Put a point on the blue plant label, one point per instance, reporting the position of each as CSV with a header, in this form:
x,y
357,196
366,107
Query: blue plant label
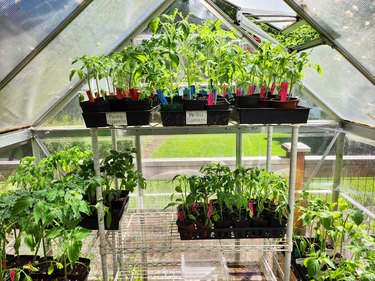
x,y
229,94
192,91
161,96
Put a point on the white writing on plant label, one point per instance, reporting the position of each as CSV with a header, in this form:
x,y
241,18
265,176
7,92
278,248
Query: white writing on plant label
x,y
116,119
197,117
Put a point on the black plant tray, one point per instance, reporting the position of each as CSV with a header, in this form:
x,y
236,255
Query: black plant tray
x,y
233,233
297,115
80,272
133,118
179,117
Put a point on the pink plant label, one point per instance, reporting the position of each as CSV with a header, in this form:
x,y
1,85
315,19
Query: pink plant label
x,y
251,90
283,91
238,92
263,92
273,88
209,212
210,100
180,215
251,208
225,90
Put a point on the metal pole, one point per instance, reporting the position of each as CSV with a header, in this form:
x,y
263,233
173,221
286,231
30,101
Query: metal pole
x,y
99,198
140,209
269,148
292,183
237,242
140,205
338,167
114,233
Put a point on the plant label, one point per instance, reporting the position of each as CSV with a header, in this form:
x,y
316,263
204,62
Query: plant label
x,y
210,100
229,94
116,119
273,88
251,90
225,90
161,96
263,92
283,91
196,117
238,92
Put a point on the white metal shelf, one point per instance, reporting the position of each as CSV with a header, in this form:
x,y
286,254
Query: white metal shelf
x,y
156,232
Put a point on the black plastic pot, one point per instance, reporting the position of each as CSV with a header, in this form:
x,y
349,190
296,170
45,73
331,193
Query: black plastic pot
x,y
222,229
138,105
80,272
95,120
99,105
116,105
218,117
186,229
138,118
194,104
173,117
218,106
248,101
117,208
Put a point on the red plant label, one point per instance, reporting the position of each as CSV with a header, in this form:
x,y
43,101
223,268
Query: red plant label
x,y
238,92
263,92
89,96
225,90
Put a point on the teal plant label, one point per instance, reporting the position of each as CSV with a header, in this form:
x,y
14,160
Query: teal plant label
x,y
196,117
116,119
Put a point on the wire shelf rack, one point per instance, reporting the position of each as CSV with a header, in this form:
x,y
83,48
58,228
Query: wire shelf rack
x,y
157,232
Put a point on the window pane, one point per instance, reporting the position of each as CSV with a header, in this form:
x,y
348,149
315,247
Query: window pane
x,y
24,24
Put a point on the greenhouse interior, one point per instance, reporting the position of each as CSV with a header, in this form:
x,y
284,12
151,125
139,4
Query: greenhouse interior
x,y
135,144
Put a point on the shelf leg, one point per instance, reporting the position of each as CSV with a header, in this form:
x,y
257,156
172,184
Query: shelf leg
x,y
99,198
269,148
237,242
292,187
338,167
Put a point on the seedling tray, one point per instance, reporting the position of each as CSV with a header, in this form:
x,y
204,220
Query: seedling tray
x,y
233,233
297,115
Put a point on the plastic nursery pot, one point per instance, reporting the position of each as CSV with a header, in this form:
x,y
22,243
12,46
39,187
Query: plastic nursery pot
x,y
138,105
194,104
99,105
289,103
186,229
204,231
248,101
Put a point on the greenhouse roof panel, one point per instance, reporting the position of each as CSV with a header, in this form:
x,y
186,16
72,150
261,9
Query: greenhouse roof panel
x,y
24,24
341,87
349,23
45,80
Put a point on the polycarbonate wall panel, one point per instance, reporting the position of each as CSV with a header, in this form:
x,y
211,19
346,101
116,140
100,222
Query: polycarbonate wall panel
x,y
24,24
341,87
97,30
351,23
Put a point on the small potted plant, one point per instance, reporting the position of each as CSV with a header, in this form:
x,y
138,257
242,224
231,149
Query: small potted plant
x,y
117,166
184,200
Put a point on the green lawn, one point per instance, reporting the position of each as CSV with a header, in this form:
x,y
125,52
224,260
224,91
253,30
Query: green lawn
x,y
223,145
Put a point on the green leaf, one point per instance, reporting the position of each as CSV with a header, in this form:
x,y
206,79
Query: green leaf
x,y
313,266
73,252
28,278
53,233
81,233
154,25
357,216
51,268
22,204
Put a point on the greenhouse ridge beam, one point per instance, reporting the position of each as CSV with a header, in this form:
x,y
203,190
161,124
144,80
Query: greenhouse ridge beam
x,y
44,43
336,45
67,97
